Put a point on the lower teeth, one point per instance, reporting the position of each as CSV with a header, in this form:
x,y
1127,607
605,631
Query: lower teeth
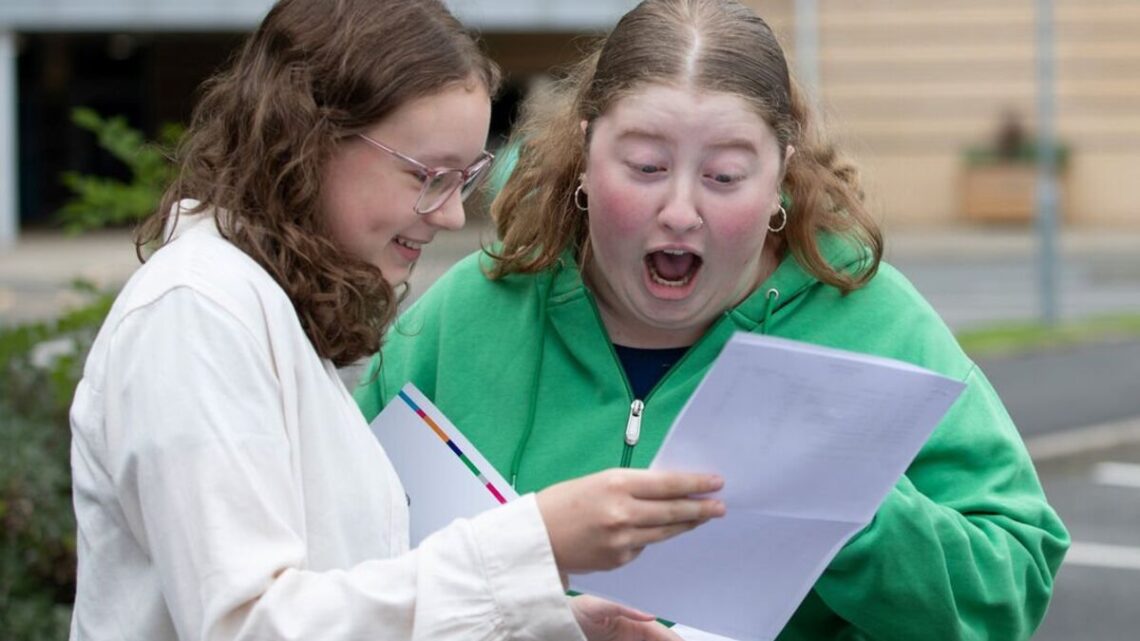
x,y
669,283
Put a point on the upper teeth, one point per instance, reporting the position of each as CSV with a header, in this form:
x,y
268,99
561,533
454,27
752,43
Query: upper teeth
x,y
407,243
674,252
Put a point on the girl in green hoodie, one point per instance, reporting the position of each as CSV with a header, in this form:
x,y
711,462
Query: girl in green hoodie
x,y
672,191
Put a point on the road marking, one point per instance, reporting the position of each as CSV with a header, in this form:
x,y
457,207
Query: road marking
x,y
1103,555
1083,439
1119,474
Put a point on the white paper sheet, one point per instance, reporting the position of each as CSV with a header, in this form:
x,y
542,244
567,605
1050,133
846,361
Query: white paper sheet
x,y
440,485
809,441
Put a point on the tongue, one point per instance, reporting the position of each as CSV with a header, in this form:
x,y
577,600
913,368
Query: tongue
x,y
672,266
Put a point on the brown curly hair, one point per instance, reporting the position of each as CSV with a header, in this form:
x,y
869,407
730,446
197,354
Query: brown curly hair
x,y
312,74
736,53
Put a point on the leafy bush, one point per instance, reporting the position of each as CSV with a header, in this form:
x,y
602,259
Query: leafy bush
x,y
100,201
40,365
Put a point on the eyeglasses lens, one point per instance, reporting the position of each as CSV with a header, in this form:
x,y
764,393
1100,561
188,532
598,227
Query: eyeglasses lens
x,y
438,190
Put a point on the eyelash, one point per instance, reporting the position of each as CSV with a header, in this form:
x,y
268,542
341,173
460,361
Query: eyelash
x,y
732,178
648,169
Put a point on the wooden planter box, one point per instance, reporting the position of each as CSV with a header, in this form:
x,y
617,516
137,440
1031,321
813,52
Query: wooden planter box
x,y
1002,192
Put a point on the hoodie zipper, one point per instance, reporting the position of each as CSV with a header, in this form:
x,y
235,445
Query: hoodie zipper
x,y
637,406
632,431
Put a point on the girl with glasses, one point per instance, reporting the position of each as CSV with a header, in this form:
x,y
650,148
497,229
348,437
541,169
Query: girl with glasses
x,y
226,486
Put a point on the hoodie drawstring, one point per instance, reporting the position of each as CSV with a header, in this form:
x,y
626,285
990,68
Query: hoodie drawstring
x,y
770,300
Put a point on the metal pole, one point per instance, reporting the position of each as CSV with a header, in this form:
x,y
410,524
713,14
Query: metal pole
x,y
1047,201
9,212
807,45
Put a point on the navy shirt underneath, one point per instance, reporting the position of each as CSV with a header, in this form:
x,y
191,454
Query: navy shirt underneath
x,y
644,367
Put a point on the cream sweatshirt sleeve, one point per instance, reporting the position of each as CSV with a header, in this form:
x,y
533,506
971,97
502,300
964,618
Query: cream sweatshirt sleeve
x,y
204,473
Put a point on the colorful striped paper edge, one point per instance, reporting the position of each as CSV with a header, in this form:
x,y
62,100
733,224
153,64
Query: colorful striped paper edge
x,y
454,447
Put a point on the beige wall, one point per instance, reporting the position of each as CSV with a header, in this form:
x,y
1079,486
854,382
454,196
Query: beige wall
x,y
906,85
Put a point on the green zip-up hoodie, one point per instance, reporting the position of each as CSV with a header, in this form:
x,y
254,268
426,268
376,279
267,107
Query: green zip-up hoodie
x,y
964,547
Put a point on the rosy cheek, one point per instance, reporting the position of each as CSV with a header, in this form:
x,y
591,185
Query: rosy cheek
x,y
616,208
741,234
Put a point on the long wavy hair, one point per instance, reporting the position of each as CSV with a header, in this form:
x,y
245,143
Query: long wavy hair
x,y
709,45
312,74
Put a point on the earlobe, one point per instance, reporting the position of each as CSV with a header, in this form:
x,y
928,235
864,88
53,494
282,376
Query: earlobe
x,y
788,153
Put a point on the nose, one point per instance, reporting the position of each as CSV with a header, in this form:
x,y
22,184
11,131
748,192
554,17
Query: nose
x,y
450,215
680,212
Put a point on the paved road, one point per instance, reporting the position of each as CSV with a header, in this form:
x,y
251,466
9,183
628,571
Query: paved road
x,y
1069,387
1097,594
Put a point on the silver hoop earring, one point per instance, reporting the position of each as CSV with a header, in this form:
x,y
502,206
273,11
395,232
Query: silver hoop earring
x,y
783,221
578,198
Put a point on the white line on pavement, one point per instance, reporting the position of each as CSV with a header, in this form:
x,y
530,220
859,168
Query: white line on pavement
x,y
1083,439
1103,555
1120,474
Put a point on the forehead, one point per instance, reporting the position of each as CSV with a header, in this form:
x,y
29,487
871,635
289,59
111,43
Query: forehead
x,y
683,111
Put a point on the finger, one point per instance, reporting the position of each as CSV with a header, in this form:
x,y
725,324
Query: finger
x,y
653,513
659,484
630,613
656,632
641,537
602,608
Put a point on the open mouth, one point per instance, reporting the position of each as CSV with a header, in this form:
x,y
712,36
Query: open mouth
x,y
673,267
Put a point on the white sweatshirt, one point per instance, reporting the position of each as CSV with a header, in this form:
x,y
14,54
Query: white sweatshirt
x,y
227,487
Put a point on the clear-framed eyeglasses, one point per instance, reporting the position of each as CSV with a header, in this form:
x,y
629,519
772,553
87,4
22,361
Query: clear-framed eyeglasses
x,y
440,183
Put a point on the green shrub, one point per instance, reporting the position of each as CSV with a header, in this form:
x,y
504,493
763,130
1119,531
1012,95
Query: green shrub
x,y
40,365
100,201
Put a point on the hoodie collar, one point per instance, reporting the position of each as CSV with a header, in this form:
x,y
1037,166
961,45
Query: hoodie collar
x,y
791,279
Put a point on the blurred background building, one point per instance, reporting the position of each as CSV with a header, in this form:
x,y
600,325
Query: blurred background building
x,y
935,99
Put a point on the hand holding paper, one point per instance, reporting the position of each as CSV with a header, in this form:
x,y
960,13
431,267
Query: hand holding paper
x,y
597,522
620,511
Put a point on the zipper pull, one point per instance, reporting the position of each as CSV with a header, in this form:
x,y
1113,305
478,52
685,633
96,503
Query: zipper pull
x,y
633,425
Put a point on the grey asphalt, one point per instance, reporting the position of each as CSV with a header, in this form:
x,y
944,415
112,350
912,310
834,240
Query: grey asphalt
x,y
1069,387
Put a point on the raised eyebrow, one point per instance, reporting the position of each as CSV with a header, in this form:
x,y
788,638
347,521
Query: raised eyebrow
x,y
742,144
646,134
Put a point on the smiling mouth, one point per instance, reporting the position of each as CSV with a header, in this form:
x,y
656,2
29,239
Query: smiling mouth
x,y
404,242
673,267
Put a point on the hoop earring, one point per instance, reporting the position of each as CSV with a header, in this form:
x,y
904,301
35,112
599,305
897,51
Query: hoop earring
x,y
783,221
578,199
